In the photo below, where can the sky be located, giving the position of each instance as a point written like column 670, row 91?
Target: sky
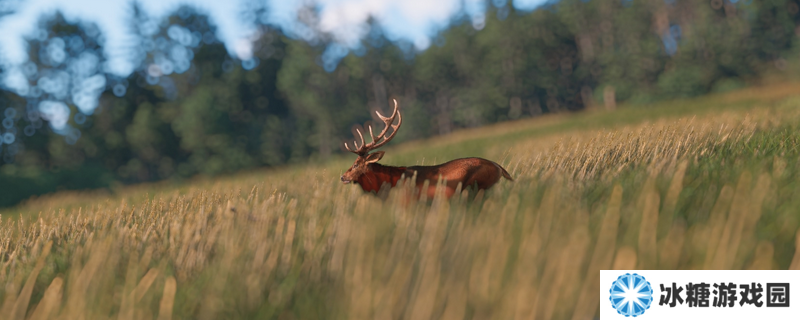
column 415, row 21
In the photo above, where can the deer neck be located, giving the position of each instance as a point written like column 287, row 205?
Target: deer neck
column 378, row 174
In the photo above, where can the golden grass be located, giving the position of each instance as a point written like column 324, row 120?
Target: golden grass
column 296, row 244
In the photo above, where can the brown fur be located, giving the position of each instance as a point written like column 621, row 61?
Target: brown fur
column 469, row 172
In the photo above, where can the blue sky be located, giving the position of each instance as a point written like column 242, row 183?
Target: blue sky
column 415, row 21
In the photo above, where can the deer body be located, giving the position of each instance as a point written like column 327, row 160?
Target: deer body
column 371, row 176
column 477, row 172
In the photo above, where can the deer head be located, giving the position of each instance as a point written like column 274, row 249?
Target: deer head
column 361, row 165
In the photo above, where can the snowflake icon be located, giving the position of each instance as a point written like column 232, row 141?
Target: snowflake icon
column 631, row 295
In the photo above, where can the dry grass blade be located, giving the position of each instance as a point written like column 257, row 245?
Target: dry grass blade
column 24, row 297
column 647, row 232
column 167, row 299
column 601, row 258
column 625, row 259
column 144, row 284
column 51, row 302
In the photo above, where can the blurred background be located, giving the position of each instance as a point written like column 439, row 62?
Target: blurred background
column 98, row 94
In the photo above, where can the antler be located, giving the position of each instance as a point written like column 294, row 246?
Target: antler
column 376, row 141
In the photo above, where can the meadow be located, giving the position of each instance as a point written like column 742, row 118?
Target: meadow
column 706, row 183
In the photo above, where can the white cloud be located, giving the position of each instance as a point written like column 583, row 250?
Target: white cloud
column 412, row 20
column 56, row 112
column 528, row 4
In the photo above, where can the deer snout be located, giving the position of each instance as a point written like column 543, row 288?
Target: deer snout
column 345, row 180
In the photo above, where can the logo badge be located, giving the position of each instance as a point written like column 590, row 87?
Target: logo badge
column 631, row 295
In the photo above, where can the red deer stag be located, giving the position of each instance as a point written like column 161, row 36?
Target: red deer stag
column 371, row 175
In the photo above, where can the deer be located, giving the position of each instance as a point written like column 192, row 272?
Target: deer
column 372, row 176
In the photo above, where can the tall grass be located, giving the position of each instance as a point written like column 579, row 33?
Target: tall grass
column 704, row 192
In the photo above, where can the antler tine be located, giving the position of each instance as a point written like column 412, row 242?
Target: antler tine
column 361, row 136
column 358, row 150
column 388, row 121
column 370, row 134
column 348, row 147
column 381, row 139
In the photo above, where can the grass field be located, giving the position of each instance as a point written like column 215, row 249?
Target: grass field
column 708, row 183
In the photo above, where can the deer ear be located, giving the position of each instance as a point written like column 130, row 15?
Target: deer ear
column 374, row 157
